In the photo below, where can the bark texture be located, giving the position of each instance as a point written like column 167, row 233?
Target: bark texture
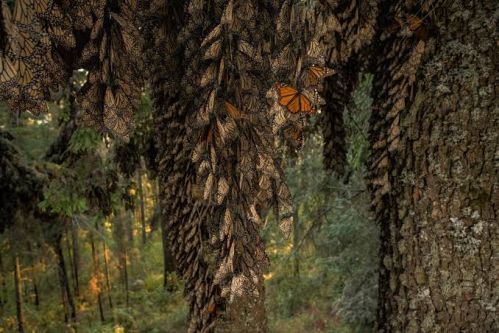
column 434, row 167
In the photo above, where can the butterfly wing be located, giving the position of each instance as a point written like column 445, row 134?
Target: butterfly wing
column 314, row 75
column 305, row 104
column 294, row 106
column 8, row 72
column 286, row 94
column 233, row 112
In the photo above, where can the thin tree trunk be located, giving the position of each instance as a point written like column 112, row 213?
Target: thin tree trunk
column 168, row 260
column 76, row 257
column 70, row 258
column 129, row 219
column 125, row 277
column 18, row 291
column 33, row 275
column 64, row 280
column 296, row 241
column 436, row 186
column 142, row 209
column 95, row 261
column 64, row 303
column 108, row 281
column 35, row 291
column 3, row 283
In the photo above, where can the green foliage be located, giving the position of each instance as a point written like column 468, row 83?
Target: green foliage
column 84, row 140
column 63, row 200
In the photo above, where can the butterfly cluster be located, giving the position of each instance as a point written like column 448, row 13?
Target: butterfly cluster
column 300, row 68
column 25, row 72
column 236, row 168
column 112, row 58
column 403, row 42
column 40, row 52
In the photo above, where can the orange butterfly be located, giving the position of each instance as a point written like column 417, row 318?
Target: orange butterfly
column 294, row 136
column 417, row 26
column 414, row 23
column 233, row 111
column 211, row 308
column 236, row 114
column 293, row 100
column 313, row 75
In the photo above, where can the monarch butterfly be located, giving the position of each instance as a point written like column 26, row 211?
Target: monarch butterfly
column 248, row 50
column 211, row 308
column 213, row 52
column 294, row 136
column 313, row 75
column 22, row 13
column 414, row 23
column 417, row 26
column 64, row 37
column 22, row 44
column 25, row 73
column 293, row 100
column 41, row 6
column 117, row 113
column 233, row 111
column 214, row 34
column 8, row 72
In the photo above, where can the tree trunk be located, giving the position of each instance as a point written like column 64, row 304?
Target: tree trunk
column 435, row 171
column 95, row 262
column 32, row 261
column 76, row 257
column 63, row 278
column 18, row 290
column 296, row 243
column 3, row 292
column 168, row 260
column 69, row 249
column 125, row 276
column 142, row 210
column 108, row 280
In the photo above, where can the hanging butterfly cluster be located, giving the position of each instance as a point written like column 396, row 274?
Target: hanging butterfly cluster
column 401, row 46
column 113, row 60
column 41, row 52
column 299, row 66
column 28, row 67
column 237, row 171
column 347, row 28
column 175, row 40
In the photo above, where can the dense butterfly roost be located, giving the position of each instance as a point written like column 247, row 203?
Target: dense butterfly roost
column 28, row 67
column 112, row 57
column 237, row 174
column 41, row 52
column 400, row 48
column 351, row 26
column 166, row 65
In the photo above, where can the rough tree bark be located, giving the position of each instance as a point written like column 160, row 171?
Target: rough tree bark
column 434, row 167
